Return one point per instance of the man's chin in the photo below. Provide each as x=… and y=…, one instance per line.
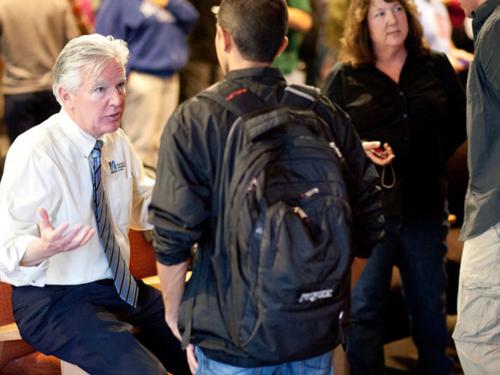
x=115, y=127
x=112, y=126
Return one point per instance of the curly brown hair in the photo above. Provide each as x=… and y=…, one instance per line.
x=356, y=43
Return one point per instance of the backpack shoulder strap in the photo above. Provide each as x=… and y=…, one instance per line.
x=239, y=101
x=301, y=96
x=236, y=99
x=309, y=97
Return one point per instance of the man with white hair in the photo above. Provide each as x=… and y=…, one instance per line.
x=72, y=188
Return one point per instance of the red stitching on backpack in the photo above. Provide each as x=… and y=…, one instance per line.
x=235, y=93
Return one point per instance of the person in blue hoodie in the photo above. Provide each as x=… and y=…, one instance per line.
x=156, y=32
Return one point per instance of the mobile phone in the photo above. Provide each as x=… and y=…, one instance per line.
x=379, y=152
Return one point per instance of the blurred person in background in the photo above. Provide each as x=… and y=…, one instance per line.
x=438, y=30
x=84, y=11
x=300, y=21
x=32, y=33
x=407, y=103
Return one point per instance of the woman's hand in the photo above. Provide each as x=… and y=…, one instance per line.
x=377, y=154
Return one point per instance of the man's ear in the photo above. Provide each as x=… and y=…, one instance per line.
x=65, y=97
x=227, y=38
x=283, y=45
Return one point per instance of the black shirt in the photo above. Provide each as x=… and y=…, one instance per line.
x=422, y=117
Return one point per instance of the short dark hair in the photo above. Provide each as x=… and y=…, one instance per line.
x=356, y=43
x=257, y=26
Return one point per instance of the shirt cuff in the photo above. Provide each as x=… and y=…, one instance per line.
x=27, y=275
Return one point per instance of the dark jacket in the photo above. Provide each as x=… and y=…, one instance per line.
x=482, y=202
x=422, y=117
x=183, y=213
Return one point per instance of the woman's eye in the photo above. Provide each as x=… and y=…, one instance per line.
x=99, y=89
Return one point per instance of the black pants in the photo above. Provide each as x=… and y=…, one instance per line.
x=90, y=326
x=23, y=111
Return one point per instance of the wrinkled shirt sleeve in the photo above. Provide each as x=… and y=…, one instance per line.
x=22, y=191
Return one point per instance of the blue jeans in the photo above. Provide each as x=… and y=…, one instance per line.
x=417, y=245
x=320, y=365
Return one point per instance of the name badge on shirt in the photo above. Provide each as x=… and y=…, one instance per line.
x=116, y=167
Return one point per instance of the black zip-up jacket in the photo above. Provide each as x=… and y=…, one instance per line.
x=183, y=213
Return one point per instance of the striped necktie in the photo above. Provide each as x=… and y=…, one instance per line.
x=125, y=284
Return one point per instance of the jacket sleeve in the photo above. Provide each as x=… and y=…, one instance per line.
x=185, y=14
x=362, y=182
x=112, y=19
x=181, y=197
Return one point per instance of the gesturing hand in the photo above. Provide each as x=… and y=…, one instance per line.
x=55, y=240
x=60, y=239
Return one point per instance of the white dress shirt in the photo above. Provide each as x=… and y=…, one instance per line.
x=48, y=167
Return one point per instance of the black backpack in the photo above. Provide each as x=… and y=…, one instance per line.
x=284, y=227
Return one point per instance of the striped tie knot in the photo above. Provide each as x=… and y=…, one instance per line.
x=96, y=151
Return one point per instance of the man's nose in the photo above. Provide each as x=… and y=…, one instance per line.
x=117, y=96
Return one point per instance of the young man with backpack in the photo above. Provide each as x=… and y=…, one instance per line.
x=272, y=185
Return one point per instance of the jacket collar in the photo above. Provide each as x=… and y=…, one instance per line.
x=256, y=72
x=481, y=14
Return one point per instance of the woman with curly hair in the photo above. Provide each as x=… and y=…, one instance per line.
x=407, y=103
